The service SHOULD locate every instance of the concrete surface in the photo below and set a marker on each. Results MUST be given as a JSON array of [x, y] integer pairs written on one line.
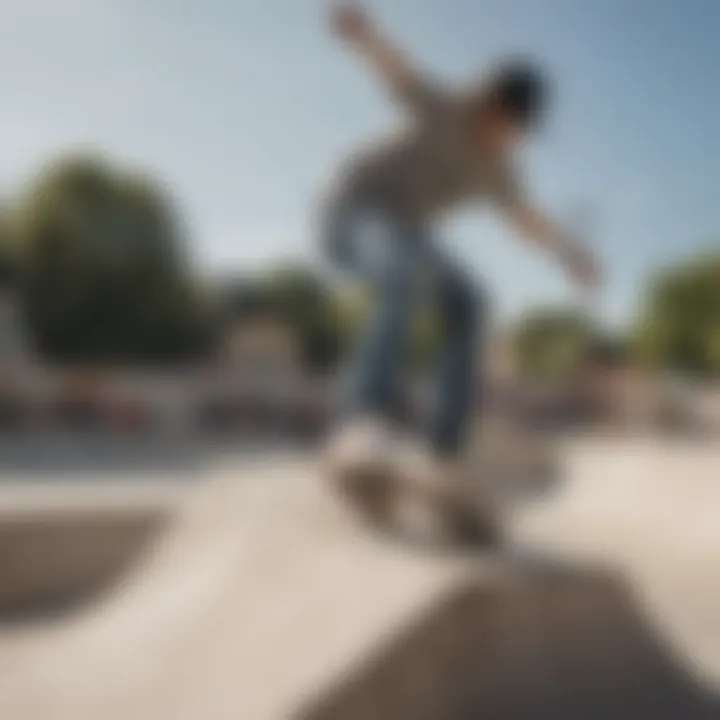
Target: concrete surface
[[264, 601]]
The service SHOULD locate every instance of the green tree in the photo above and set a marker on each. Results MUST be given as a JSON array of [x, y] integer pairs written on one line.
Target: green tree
[[105, 274], [554, 343], [303, 299], [679, 327]]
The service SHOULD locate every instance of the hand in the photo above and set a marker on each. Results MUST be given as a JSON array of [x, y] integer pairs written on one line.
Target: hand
[[350, 23]]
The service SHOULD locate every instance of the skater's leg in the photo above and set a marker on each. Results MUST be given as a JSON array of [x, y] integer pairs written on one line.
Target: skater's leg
[[376, 368], [461, 311], [386, 257], [440, 472]]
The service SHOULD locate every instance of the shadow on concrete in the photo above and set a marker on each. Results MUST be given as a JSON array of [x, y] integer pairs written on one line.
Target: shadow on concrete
[[556, 645], [57, 565]]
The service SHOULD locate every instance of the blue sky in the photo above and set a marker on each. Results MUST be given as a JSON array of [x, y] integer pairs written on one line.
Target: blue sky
[[244, 106]]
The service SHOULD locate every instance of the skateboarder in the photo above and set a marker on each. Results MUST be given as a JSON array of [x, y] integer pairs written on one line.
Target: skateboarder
[[378, 222]]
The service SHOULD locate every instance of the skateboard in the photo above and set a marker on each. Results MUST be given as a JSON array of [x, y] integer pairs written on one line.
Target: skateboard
[[395, 504]]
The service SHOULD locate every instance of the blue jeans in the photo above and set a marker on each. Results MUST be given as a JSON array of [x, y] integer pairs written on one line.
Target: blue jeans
[[402, 264]]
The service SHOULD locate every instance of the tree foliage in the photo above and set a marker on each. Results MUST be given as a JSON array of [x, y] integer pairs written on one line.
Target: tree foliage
[[679, 327], [553, 343], [105, 277], [305, 301]]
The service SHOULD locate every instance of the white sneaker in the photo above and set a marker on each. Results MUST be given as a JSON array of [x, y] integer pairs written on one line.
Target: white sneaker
[[361, 443]]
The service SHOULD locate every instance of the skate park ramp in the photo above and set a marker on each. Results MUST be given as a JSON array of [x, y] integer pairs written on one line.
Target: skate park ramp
[[266, 600]]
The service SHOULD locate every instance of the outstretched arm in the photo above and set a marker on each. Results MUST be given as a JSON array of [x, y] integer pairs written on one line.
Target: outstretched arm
[[576, 259], [353, 25]]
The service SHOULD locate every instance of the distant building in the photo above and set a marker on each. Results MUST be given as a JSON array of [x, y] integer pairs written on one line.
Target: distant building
[[262, 348], [256, 344]]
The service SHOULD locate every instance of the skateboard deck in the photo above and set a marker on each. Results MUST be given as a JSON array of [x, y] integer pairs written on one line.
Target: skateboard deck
[[396, 505]]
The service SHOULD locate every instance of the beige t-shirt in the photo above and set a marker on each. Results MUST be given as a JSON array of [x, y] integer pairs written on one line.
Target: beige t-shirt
[[430, 166]]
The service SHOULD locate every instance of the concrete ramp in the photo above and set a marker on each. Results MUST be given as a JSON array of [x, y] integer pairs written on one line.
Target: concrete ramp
[[265, 601]]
